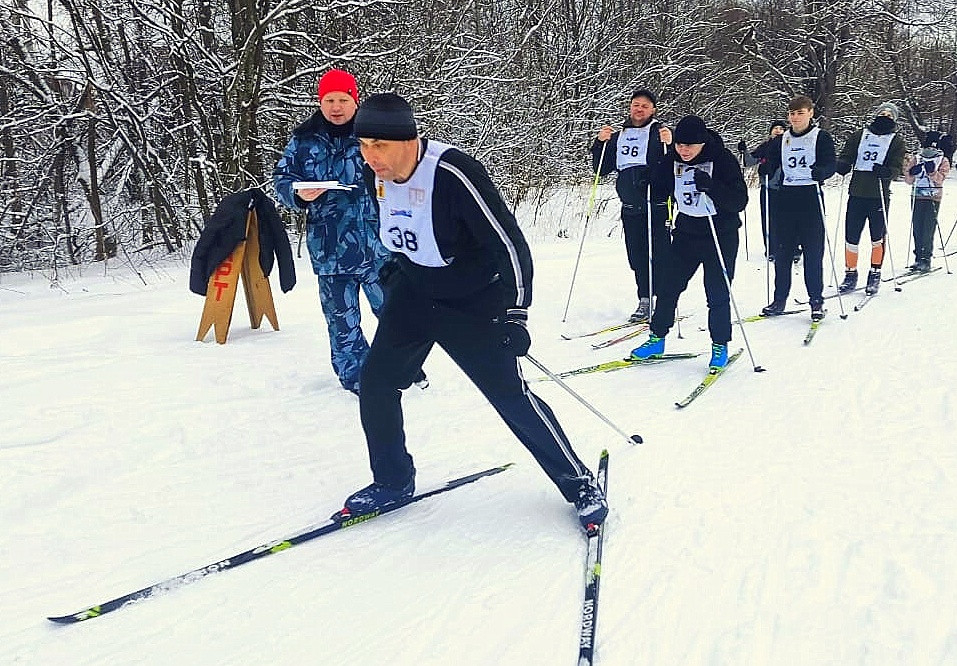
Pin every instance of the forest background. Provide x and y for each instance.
(124, 122)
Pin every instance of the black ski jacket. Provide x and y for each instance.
(227, 227)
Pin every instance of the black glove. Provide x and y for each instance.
(929, 167)
(817, 173)
(916, 169)
(742, 146)
(702, 180)
(881, 171)
(843, 168)
(765, 168)
(512, 331)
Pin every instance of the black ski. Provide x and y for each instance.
(333, 525)
(916, 275)
(829, 296)
(865, 299)
(586, 645)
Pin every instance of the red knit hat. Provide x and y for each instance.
(338, 80)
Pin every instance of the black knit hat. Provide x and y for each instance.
(778, 123)
(645, 93)
(691, 129)
(385, 116)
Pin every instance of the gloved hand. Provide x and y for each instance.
(843, 168)
(916, 169)
(512, 331)
(742, 146)
(702, 180)
(765, 167)
(817, 173)
(881, 171)
(929, 167)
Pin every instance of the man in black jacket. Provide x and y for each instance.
(633, 152)
(461, 277)
(708, 188)
(799, 160)
(226, 228)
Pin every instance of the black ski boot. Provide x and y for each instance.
(873, 281)
(850, 282)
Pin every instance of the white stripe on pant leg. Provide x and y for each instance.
(562, 445)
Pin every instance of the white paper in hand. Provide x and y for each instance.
(321, 184)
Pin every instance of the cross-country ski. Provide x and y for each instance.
(259, 552)
(708, 381)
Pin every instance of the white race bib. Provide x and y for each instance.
(633, 147)
(798, 154)
(923, 185)
(405, 212)
(872, 150)
(689, 200)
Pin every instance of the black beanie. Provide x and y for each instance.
(691, 129)
(385, 116)
(778, 123)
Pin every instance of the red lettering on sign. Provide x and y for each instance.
(220, 287)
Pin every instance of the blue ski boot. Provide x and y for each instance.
(654, 347)
(378, 496)
(591, 505)
(719, 357)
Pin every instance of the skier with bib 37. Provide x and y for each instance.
(708, 188)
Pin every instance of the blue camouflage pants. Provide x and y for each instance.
(339, 297)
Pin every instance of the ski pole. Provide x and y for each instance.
(887, 238)
(950, 234)
(830, 248)
(651, 275)
(837, 221)
(581, 244)
(747, 255)
(767, 241)
(942, 251)
(727, 282)
(632, 439)
(910, 235)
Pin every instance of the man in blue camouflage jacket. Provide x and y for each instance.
(341, 224)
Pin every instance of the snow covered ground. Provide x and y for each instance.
(804, 515)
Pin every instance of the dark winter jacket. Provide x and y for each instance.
(474, 230)
(825, 160)
(632, 183)
(226, 228)
(864, 183)
(728, 190)
(765, 170)
(342, 232)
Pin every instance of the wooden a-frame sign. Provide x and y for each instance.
(221, 290)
